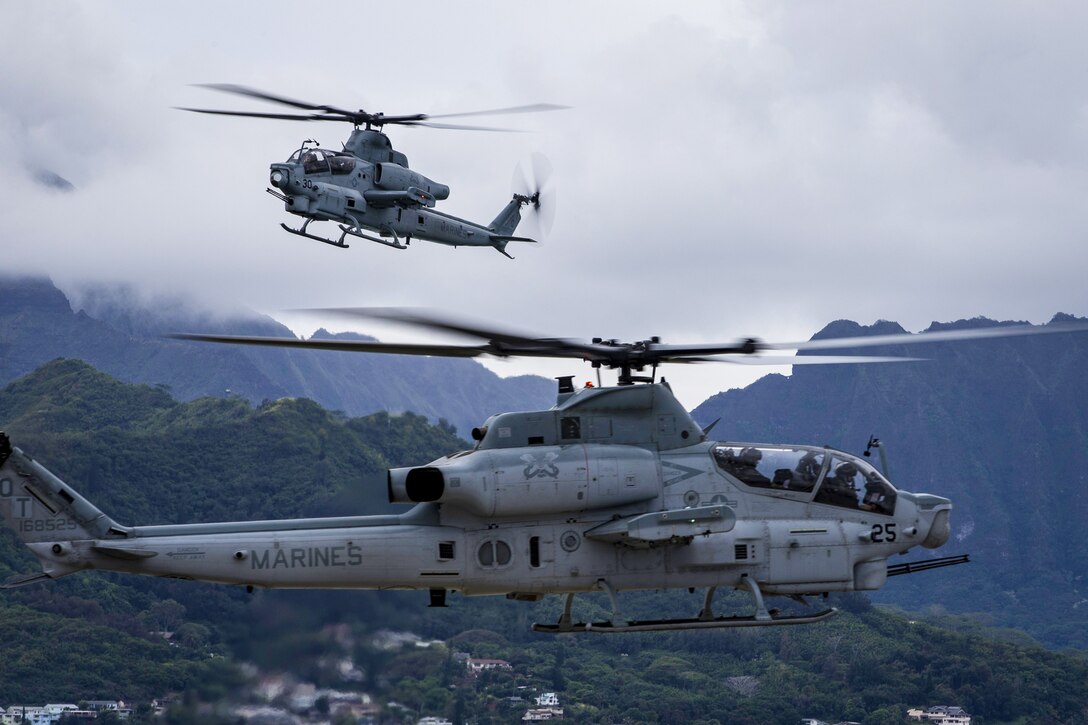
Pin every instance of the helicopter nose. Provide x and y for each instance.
(280, 178)
(939, 531)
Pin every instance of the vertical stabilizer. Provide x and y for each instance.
(47, 514)
(508, 219)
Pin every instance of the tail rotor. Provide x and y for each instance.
(535, 191)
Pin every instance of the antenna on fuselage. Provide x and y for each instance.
(874, 442)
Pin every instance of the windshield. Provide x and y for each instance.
(782, 467)
(847, 481)
(852, 483)
(314, 161)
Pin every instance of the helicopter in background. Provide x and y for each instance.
(612, 489)
(370, 192)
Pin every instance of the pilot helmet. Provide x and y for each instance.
(809, 465)
(750, 456)
(846, 470)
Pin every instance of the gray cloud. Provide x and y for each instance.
(728, 169)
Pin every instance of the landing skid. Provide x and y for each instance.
(355, 232)
(704, 620)
(667, 625)
(303, 233)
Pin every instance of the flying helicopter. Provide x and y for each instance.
(368, 189)
(614, 488)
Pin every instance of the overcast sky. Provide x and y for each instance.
(728, 169)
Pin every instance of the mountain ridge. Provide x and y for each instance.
(121, 334)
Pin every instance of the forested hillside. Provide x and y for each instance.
(115, 330)
(999, 426)
(145, 458)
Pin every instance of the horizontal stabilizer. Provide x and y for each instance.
(505, 238)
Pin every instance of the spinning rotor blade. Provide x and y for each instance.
(341, 345)
(359, 117)
(907, 338)
(512, 343)
(253, 114)
(806, 359)
(456, 126)
(533, 108)
(536, 187)
(265, 96)
(627, 357)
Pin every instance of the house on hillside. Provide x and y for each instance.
(940, 715)
(547, 699)
(117, 706)
(34, 714)
(476, 666)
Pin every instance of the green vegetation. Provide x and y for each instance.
(145, 458)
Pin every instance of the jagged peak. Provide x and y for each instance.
(322, 334)
(973, 323)
(849, 328)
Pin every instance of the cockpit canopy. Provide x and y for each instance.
(838, 478)
(323, 161)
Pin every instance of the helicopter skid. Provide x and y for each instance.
(670, 625)
(354, 231)
(303, 233)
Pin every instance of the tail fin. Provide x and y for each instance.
(47, 514)
(502, 228)
(508, 219)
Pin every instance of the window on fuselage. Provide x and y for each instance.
(783, 468)
(493, 553)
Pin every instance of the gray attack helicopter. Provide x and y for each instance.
(613, 488)
(370, 192)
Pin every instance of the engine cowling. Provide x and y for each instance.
(394, 177)
(527, 481)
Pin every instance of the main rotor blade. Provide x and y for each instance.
(908, 338)
(341, 345)
(533, 108)
(452, 126)
(512, 342)
(811, 359)
(332, 113)
(281, 116)
(265, 96)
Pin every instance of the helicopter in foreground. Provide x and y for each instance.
(612, 489)
(369, 191)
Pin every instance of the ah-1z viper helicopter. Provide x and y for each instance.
(613, 488)
(367, 188)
